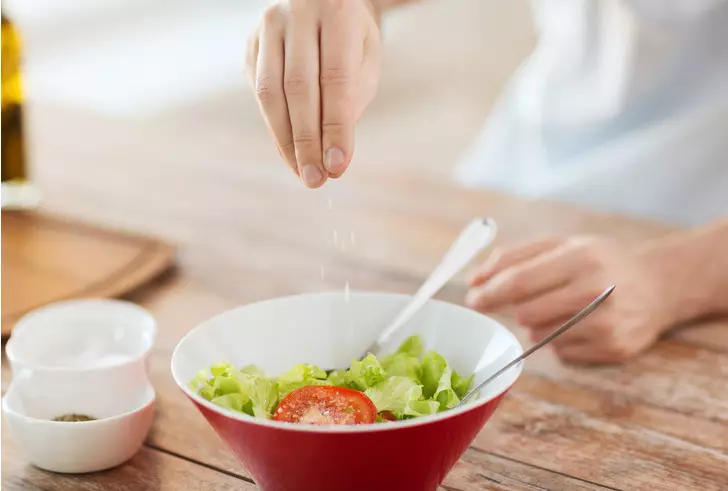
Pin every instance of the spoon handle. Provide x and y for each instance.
(558, 332)
(475, 237)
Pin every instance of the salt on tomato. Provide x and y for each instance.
(326, 405)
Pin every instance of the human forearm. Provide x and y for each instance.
(694, 268)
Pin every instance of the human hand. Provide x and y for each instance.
(545, 283)
(314, 66)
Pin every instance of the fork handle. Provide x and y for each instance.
(476, 236)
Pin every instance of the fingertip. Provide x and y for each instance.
(472, 299)
(313, 177)
(335, 161)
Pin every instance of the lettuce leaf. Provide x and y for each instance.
(445, 394)
(365, 373)
(245, 391)
(431, 369)
(394, 394)
(402, 365)
(460, 384)
(411, 346)
(415, 409)
(300, 376)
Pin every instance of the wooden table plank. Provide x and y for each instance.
(568, 441)
(500, 473)
(674, 376)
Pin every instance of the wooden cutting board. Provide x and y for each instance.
(46, 259)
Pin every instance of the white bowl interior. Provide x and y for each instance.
(331, 329)
(81, 334)
(45, 397)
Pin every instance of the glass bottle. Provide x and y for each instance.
(17, 190)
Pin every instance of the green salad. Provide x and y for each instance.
(406, 384)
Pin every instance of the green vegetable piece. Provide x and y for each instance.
(460, 384)
(224, 385)
(253, 370)
(230, 401)
(412, 346)
(445, 394)
(431, 369)
(221, 369)
(394, 394)
(338, 378)
(415, 409)
(402, 365)
(300, 376)
(365, 373)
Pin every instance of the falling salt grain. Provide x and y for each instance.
(336, 236)
(323, 273)
(352, 238)
(347, 292)
(330, 204)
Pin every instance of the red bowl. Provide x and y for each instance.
(330, 329)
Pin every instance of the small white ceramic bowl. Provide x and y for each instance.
(82, 335)
(124, 416)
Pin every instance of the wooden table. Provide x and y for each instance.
(246, 231)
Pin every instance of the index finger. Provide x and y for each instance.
(526, 280)
(341, 58)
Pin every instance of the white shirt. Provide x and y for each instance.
(622, 107)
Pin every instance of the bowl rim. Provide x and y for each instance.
(338, 429)
(22, 325)
(149, 401)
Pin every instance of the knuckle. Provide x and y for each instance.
(305, 139)
(264, 91)
(287, 147)
(333, 127)
(516, 284)
(271, 16)
(592, 253)
(335, 77)
(296, 84)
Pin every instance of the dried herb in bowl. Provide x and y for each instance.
(73, 418)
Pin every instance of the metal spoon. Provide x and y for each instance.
(558, 332)
(473, 239)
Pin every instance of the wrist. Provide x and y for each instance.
(689, 271)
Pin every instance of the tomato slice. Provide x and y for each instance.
(326, 405)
